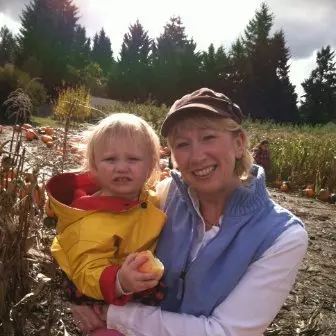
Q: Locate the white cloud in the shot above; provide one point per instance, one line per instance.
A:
(300, 70)
(12, 25)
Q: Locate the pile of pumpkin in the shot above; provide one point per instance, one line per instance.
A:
(46, 134)
(22, 184)
(323, 195)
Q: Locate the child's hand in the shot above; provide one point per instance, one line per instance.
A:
(131, 280)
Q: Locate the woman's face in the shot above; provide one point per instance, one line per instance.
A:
(206, 158)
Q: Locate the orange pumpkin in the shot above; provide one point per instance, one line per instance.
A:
(49, 130)
(50, 144)
(309, 192)
(26, 126)
(323, 195)
(31, 135)
(284, 186)
(46, 138)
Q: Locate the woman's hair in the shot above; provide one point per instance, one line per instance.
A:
(199, 120)
(124, 126)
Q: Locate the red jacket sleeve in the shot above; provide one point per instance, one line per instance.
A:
(107, 284)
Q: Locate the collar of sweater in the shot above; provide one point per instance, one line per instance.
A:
(245, 199)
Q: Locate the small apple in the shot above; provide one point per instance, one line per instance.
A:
(153, 265)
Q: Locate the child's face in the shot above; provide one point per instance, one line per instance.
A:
(122, 168)
(264, 146)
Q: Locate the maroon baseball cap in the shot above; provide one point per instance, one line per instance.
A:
(203, 100)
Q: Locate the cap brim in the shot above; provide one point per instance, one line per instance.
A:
(188, 110)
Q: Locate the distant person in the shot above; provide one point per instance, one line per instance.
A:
(262, 155)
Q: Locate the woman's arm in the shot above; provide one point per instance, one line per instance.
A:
(247, 311)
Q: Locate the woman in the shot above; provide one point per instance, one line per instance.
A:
(262, 155)
(231, 254)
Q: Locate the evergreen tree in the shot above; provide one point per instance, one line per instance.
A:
(214, 69)
(282, 97)
(132, 78)
(81, 49)
(260, 72)
(46, 38)
(8, 46)
(319, 104)
(176, 65)
(102, 51)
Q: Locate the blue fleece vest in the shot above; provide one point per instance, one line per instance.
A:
(250, 224)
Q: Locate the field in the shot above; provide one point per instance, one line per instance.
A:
(30, 291)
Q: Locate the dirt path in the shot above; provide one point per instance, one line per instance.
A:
(311, 307)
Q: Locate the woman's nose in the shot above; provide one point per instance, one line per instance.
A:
(197, 153)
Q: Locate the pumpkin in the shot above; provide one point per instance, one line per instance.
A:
(26, 126)
(284, 186)
(49, 130)
(323, 195)
(46, 138)
(31, 135)
(50, 144)
(277, 183)
(309, 192)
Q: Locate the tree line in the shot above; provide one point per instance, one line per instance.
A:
(254, 71)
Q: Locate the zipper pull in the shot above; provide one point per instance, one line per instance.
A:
(180, 286)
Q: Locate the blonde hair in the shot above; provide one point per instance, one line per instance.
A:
(129, 126)
(199, 120)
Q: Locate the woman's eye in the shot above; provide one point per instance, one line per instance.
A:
(181, 144)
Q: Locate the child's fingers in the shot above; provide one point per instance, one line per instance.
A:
(141, 276)
(130, 258)
(137, 262)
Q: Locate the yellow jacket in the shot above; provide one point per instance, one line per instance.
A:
(89, 241)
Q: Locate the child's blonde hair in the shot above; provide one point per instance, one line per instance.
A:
(199, 120)
(129, 126)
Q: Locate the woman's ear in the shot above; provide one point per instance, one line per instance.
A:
(239, 143)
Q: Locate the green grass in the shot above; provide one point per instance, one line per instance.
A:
(45, 121)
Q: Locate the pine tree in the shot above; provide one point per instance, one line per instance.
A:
(214, 69)
(319, 104)
(46, 38)
(282, 97)
(176, 64)
(8, 46)
(81, 49)
(133, 77)
(260, 72)
(102, 51)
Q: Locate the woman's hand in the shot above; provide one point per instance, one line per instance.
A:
(131, 280)
(86, 318)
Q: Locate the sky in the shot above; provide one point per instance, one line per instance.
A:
(308, 25)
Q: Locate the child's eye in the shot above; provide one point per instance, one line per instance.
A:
(134, 159)
(209, 137)
(111, 159)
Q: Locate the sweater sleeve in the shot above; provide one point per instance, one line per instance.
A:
(267, 281)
